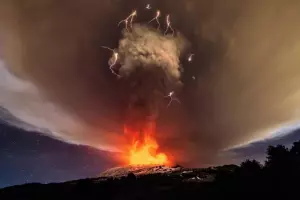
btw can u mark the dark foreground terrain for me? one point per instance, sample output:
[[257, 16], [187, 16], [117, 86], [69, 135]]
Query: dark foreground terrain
[[278, 178]]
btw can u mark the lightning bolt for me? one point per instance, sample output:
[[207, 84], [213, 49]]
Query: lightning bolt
[[169, 26], [156, 19], [172, 98], [128, 19], [115, 59], [190, 58]]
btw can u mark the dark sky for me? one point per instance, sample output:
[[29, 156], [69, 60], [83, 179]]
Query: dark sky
[[30, 157]]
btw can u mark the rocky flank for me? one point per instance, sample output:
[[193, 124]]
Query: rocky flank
[[129, 182]]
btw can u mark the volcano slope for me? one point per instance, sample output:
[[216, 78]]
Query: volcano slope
[[248, 181], [154, 182], [130, 182]]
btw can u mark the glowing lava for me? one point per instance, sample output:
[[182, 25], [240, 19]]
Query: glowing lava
[[145, 153], [143, 150]]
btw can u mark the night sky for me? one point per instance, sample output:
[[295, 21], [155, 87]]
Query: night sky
[[27, 157]]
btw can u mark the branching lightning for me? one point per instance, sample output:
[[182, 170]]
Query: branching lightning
[[156, 18], [169, 26], [128, 19], [172, 97], [128, 24], [115, 59]]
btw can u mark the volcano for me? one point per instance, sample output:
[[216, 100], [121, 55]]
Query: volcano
[[126, 182], [139, 170], [178, 172]]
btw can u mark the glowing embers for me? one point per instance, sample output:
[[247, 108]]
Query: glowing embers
[[143, 150]]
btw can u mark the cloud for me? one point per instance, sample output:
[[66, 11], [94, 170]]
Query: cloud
[[257, 150], [23, 106], [150, 68], [246, 68]]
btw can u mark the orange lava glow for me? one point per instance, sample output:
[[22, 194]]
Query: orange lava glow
[[143, 150], [145, 153]]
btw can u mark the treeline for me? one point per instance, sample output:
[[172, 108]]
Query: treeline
[[278, 177]]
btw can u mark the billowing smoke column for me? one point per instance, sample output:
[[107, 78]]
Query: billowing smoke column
[[150, 67]]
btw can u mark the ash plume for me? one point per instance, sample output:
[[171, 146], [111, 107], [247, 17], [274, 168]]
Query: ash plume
[[245, 64], [150, 67]]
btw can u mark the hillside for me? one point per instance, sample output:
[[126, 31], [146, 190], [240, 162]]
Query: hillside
[[130, 182]]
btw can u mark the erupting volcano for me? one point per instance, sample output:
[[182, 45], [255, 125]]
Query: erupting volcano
[[147, 65], [143, 148]]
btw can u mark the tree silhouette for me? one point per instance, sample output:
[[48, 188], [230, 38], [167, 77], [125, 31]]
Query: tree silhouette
[[277, 157], [295, 150], [295, 160], [251, 166], [249, 174]]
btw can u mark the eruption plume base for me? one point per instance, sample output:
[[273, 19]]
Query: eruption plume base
[[144, 147]]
